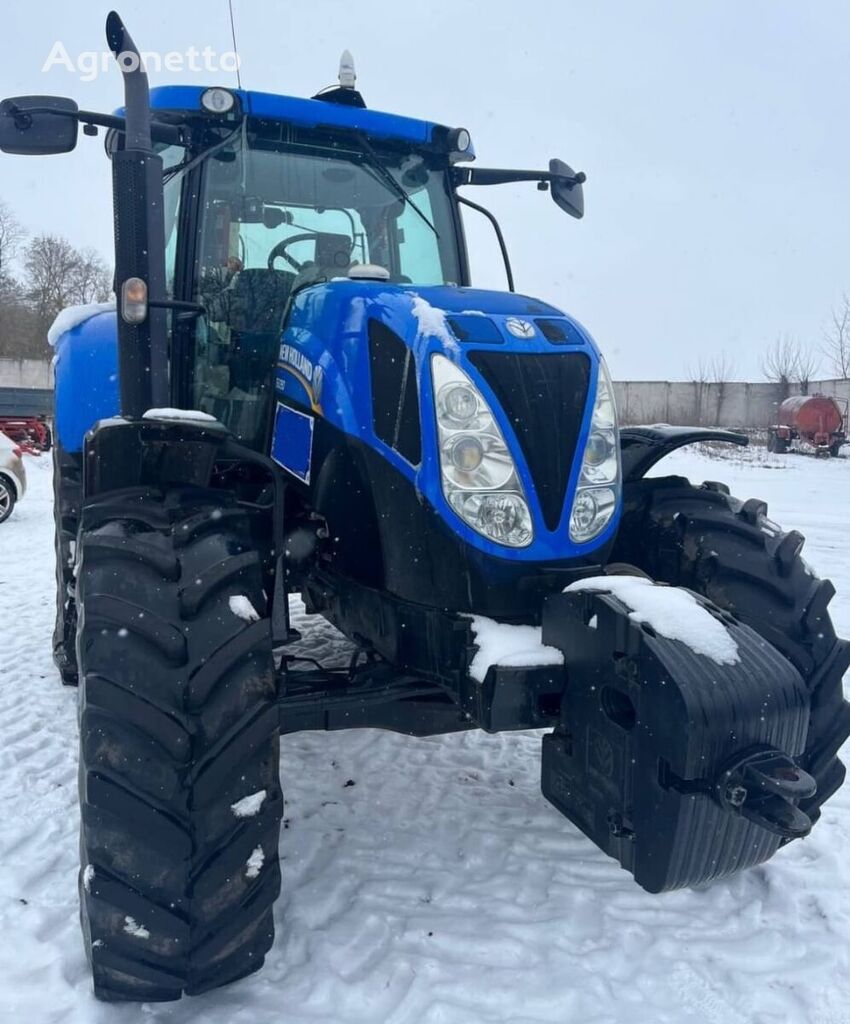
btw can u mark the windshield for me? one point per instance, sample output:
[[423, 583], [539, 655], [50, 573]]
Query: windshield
[[278, 215], [314, 211]]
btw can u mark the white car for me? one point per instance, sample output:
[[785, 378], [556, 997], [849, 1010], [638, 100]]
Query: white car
[[13, 476]]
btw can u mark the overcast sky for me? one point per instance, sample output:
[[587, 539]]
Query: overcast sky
[[714, 134]]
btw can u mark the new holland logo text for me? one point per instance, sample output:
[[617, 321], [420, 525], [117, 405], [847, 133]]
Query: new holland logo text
[[297, 361]]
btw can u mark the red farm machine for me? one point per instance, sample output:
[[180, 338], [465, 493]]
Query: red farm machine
[[24, 418], [817, 422]]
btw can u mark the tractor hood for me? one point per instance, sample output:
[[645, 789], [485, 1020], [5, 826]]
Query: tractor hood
[[357, 355]]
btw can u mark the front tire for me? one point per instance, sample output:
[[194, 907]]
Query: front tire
[[67, 498], [701, 538], [179, 790]]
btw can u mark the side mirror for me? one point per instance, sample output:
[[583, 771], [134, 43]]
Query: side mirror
[[38, 125], [567, 188]]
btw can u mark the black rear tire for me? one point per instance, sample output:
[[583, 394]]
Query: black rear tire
[[729, 551], [179, 789]]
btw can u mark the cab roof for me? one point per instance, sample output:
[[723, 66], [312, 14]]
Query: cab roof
[[313, 113]]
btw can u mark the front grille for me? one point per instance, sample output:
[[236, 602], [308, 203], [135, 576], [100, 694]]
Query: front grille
[[543, 396]]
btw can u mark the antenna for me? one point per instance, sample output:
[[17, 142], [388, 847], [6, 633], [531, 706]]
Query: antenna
[[235, 47], [347, 75]]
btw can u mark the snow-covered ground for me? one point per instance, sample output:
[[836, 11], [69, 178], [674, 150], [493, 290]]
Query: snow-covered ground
[[439, 888]]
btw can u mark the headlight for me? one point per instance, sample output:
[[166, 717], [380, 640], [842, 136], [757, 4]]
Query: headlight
[[601, 464], [598, 489], [479, 475], [466, 453], [458, 403], [503, 517]]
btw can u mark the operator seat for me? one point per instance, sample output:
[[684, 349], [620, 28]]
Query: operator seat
[[258, 298], [257, 301]]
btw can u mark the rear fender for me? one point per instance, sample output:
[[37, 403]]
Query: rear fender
[[86, 372], [642, 447]]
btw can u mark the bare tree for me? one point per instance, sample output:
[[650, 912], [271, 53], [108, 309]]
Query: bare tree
[[19, 329], [50, 264], [52, 274], [700, 375], [14, 320], [721, 370], [11, 236], [808, 363], [837, 340], [789, 362], [710, 376], [60, 275]]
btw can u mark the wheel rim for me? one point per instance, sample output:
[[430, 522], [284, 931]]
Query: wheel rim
[[5, 501]]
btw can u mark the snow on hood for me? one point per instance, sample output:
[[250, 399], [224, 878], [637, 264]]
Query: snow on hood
[[432, 322], [73, 316], [670, 611], [500, 643]]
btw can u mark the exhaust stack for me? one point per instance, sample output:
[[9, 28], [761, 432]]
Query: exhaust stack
[[138, 206]]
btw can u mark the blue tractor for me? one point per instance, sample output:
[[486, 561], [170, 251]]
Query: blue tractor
[[300, 392]]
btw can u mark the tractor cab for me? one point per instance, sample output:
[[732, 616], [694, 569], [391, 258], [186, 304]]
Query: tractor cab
[[260, 206], [265, 195]]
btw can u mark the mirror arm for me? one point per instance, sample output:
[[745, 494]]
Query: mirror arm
[[481, 209], [167, 133], [494, 176]]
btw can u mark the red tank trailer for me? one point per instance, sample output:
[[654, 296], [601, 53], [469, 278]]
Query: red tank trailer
[[816, 420]]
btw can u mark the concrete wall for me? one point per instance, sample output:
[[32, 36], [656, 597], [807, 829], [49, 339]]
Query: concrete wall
[[25, 373], [736, 404]]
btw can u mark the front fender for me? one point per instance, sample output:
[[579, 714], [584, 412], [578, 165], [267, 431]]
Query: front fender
[[642, 447], [121, 453]]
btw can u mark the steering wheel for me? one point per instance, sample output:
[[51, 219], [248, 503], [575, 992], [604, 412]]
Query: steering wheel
[[280, 250]]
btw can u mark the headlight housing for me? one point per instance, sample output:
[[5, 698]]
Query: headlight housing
[[598, 491], [479, 476]]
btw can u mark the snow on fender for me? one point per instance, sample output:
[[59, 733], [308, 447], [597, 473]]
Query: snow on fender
[[192, 415], [672, 612], [73, 316]]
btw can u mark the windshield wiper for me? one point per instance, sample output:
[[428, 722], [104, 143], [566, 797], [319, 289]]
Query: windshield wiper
[[380, 172]]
